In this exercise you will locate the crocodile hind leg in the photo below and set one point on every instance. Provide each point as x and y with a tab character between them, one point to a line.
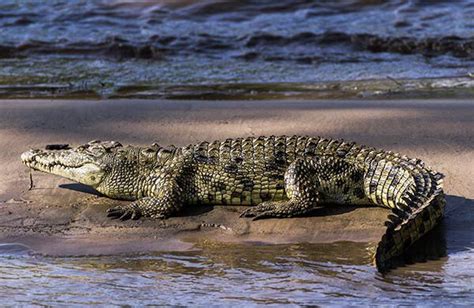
300	189
308	183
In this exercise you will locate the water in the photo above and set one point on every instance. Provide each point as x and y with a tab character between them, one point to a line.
167	48
225	275
438	270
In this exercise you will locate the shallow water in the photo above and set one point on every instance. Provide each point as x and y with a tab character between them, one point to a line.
437	270
100	48
223	274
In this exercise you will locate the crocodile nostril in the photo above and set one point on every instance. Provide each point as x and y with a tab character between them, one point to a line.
28	156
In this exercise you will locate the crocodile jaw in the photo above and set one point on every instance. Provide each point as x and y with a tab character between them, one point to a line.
65	163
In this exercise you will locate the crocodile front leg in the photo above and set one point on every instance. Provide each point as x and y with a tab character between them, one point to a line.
311	182
165	202
137	209
146	207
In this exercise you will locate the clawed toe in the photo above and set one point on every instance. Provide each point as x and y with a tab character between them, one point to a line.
114	212
123	213
280	209
258	212
250	212
264	215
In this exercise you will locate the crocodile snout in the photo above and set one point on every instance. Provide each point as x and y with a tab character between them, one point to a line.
29	156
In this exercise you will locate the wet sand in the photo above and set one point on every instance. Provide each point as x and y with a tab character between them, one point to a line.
58	217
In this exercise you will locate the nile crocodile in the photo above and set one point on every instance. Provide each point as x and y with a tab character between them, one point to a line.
279	176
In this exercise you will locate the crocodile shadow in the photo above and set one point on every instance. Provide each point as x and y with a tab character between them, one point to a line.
81	188
459	223
454	234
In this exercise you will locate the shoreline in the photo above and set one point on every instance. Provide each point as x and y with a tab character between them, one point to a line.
62	218
448	87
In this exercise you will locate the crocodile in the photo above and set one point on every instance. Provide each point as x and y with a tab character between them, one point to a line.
277	176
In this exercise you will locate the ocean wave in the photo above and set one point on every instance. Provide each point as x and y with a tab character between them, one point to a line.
453	45
232	10
115	47
251	47
195	42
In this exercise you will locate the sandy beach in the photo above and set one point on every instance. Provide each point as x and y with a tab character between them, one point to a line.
58	217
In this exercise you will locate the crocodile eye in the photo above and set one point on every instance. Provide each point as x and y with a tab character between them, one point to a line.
93	178
115	144
96	151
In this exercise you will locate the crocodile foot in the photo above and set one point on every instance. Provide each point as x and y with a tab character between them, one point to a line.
124	212
270	209
278	209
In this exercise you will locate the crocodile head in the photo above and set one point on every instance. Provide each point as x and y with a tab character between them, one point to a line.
111	169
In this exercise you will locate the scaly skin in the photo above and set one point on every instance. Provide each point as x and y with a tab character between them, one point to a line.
282	176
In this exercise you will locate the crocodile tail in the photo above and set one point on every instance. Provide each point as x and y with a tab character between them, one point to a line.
420	211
